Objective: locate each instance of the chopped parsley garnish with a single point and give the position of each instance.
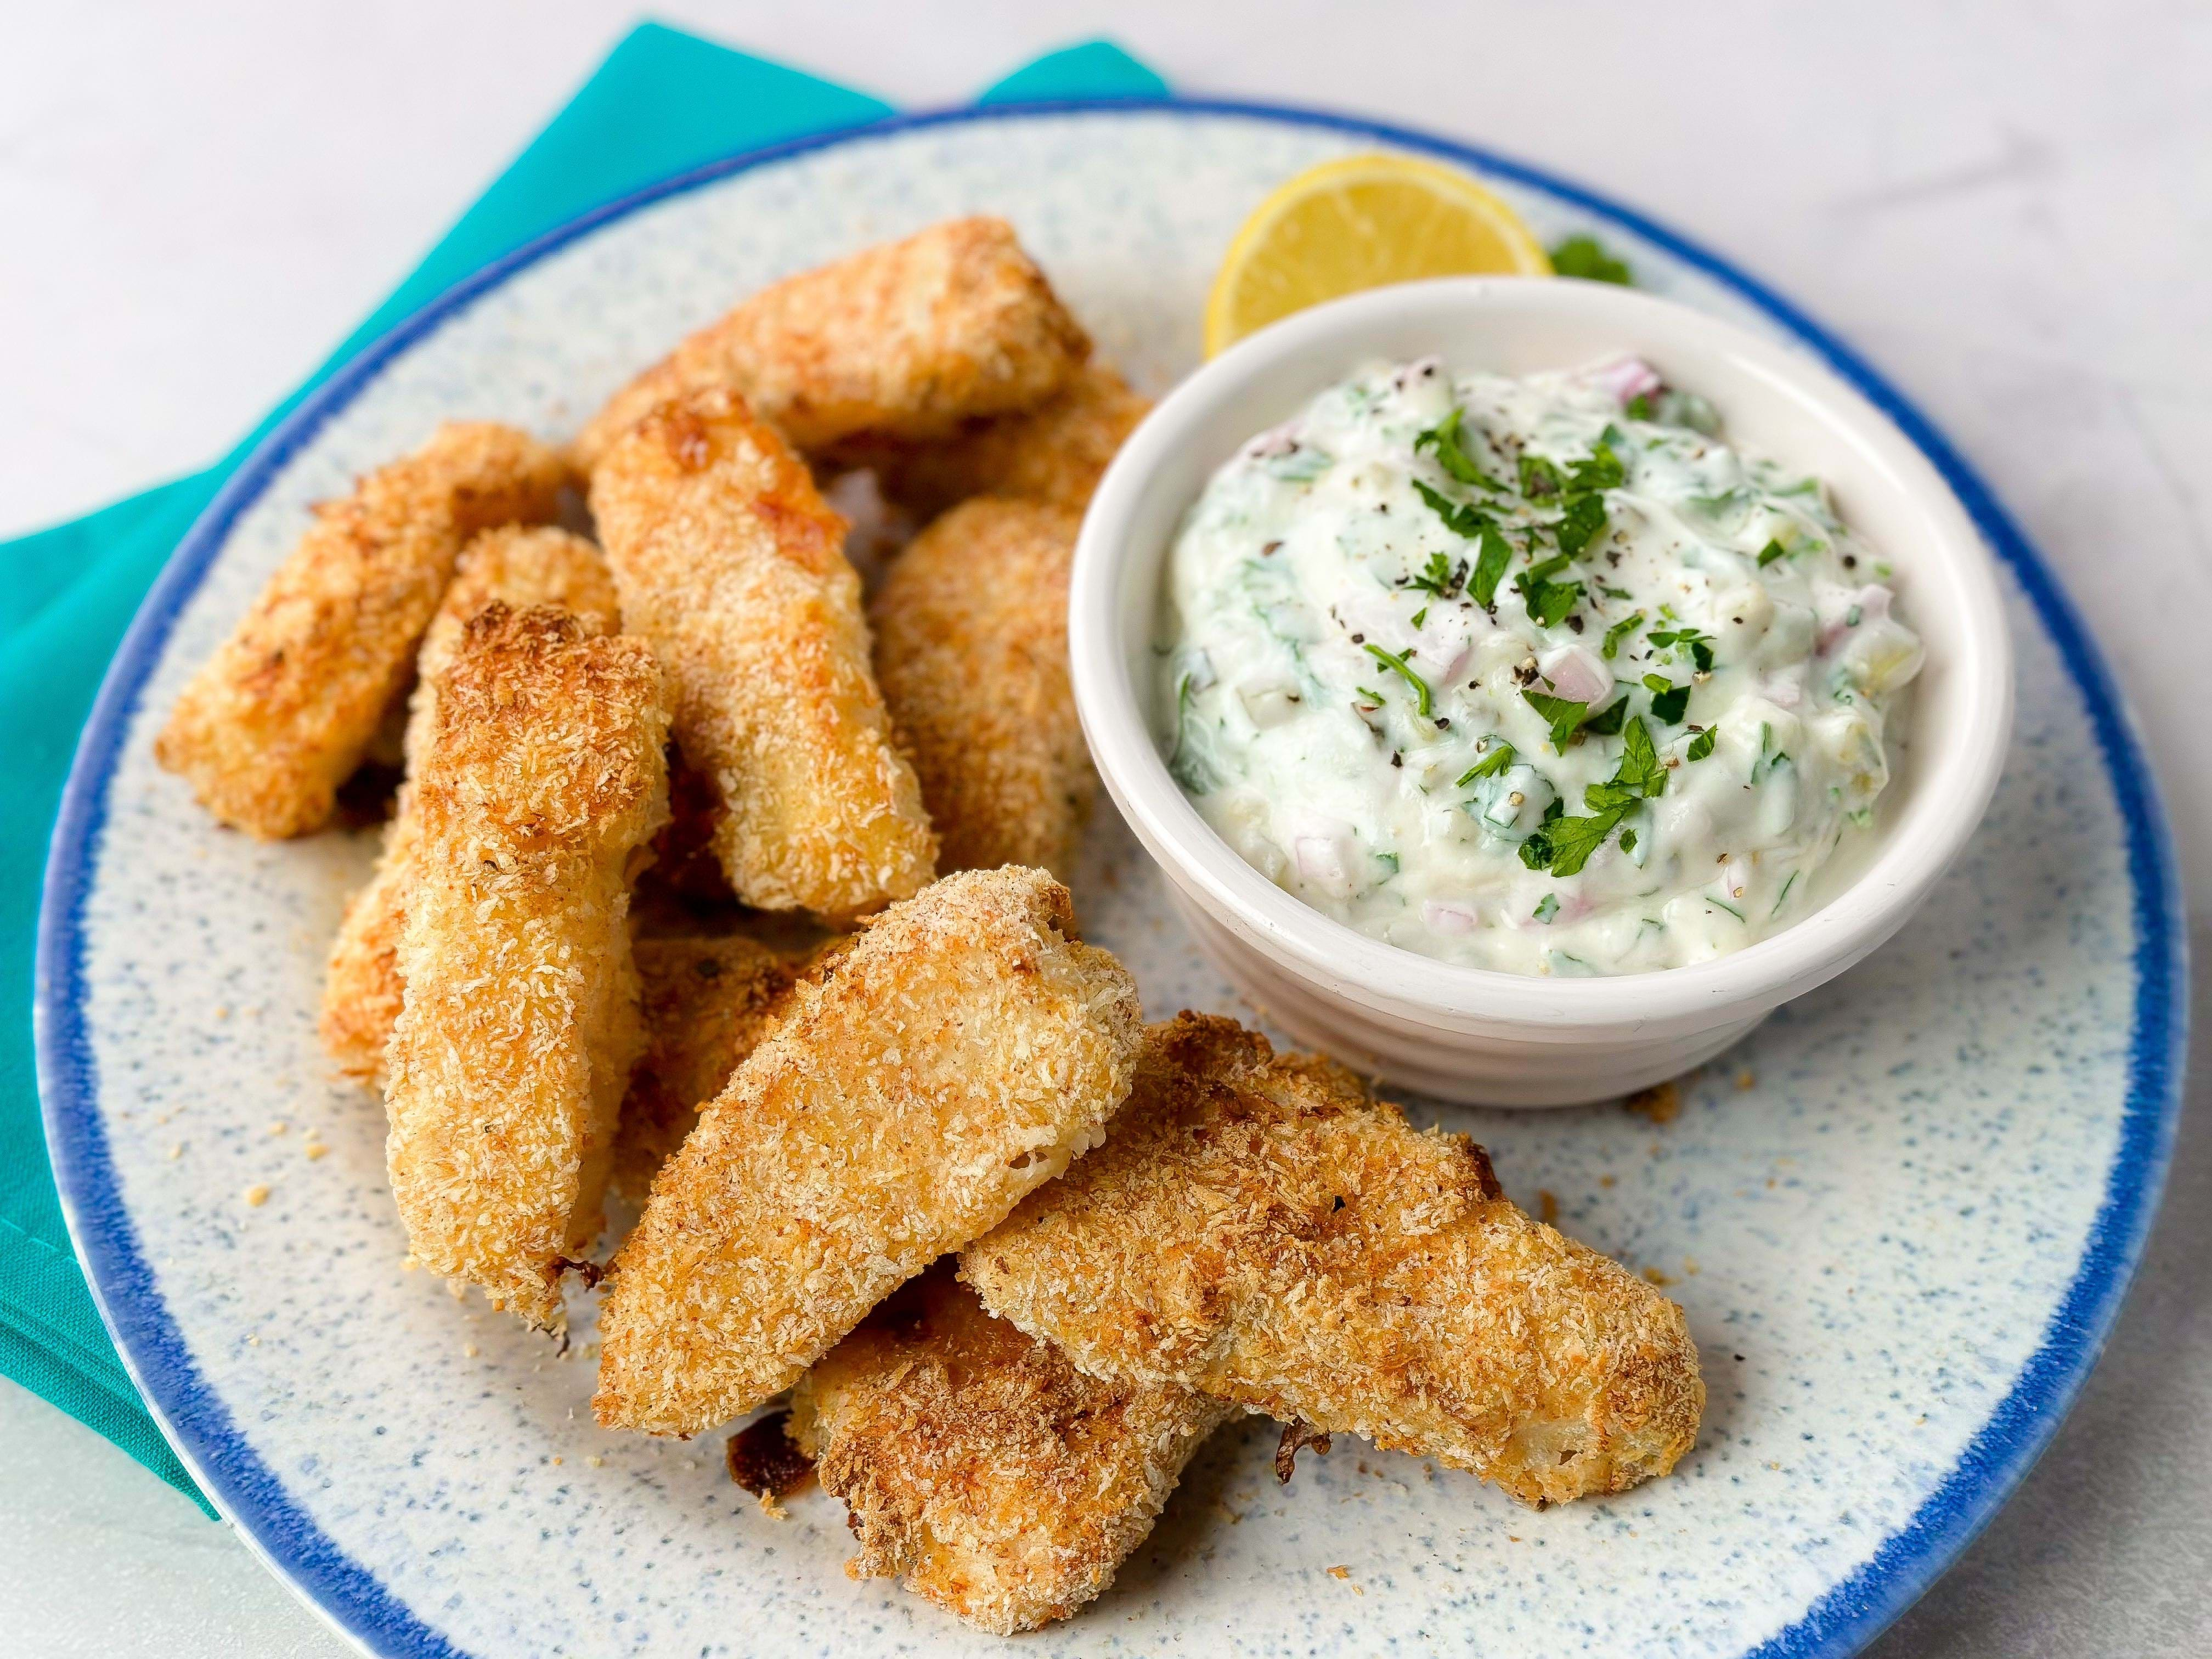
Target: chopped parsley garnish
(1459, 518)
(1375, 697)
(1443, 438)
(1424, 701)
(1582, 523)
(1420, 615)
(1607, 721)
(1669, 701)
(1771, 552)
(1565, 715)
(1628, 841)
(1619, 631)
(1699, 646)
(1539, 476)
(1601, 470)
(1615, 593)
(1547, 907)
(1490, 766)
(1638, 408)
(1441, 577)
(1490, 567)
(1564, 845)
(1548, 601)
(1702, 745)
(1582, 255)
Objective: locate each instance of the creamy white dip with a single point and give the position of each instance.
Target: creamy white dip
(1539, 675)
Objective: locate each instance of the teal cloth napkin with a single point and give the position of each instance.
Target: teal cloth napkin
(661, 103)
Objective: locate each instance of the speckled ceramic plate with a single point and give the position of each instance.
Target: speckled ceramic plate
(1900, 1217)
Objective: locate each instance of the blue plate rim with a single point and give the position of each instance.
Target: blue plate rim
(1839, 1623)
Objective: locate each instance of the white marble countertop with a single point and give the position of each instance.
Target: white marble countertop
(2008, 207)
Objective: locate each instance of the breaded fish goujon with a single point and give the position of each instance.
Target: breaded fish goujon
(519, 566)
(908, 339)
(1001, 1483)
(706, 1004)
(1257, 1228)
(286, 708)
(728, 560)
(544, 776)
(959, 1053)
(1055, 453)
(971, 651)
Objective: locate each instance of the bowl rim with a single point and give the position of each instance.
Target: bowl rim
(1343, 961)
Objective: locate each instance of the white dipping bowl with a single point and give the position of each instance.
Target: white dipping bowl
(1470, 1033)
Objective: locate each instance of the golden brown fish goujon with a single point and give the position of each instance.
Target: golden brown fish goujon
(971, 651)
(518, 567)
(706, 1004)
(283, 712)
(1255, 1227)
(544, 776)
(907, 339)
(997, 1480)
(956, 1055)
(730, 563)
(1055, 453)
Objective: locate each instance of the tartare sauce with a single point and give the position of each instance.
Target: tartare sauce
(1533, 674)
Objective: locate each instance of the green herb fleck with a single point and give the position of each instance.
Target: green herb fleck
(1607, 721)
(1565, 715)
(1581, 523)
(1640, 407)
(1669, 701)
(1601, 470)
(1547, 907)
(1539, 476)
(1548, 601)
(1619, 631)
(1490, 766)
(1424, 701)
(1443, 438)
(1440, 577)
(1459, 518)
(1699, 646)
(1490, 567)
(1771, 552)
(1582, 255)
(1783, 897)
(1702, 745)
(1420, 615)
(1628, 841)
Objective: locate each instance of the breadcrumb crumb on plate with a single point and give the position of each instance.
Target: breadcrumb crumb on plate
(955, 1056)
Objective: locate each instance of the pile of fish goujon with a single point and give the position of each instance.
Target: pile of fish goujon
(706, 881)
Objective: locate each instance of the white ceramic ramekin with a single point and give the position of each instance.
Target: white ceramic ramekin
(1468, 1033)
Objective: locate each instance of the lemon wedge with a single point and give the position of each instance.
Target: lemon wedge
(1359, 223)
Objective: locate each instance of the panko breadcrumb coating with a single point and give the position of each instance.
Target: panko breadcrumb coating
(730, 563)
(1001, 1483)
(706, 1004)
(1258, 1229)
(543, 775)
(908, 338)
(519, 566)
(956, 1055)
(1055, 453)
(971, 651)
(289, 704)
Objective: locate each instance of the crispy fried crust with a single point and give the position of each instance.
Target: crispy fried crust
(956, 1054)
(997, 1480)
(908, 338)
(1257, 1228)
(286, 708)
(971, 650)
(520, 1024)
(520, 567)
(730, 563)
(1055, 453)
(706, 1003)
